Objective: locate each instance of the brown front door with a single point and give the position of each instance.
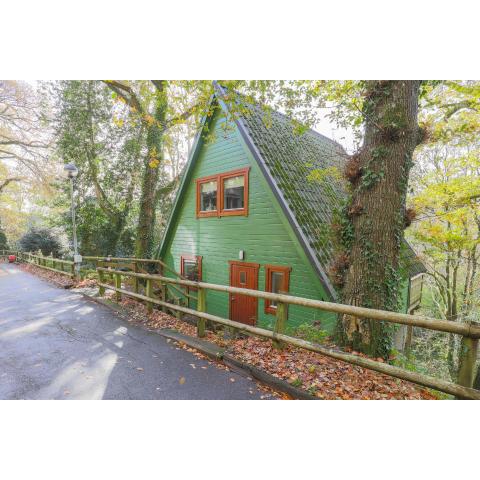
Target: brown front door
(242, 308)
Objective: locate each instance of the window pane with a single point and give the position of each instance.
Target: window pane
(208, 196)
(190, 270)
(243, 278)
(233, 189)
(277, 285)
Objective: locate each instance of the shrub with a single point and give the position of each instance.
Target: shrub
(3, 240)
(40, 239)
(311, 333)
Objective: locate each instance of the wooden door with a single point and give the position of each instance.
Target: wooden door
(242, 308)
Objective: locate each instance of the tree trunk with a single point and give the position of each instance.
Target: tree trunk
(451, 357)
(375, 215)
(153, 160)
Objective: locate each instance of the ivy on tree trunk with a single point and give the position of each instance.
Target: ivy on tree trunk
(374, 219)
(153, 158)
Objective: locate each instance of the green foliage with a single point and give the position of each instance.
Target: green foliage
(97, 234)
(41, 239)
(322, 175)
(371, 178)
(89, 274)
(297, 382)
(3, 239)
(96, 132)
(393, 280)
(413, 363)
(344, 226)
(445, 195)
(311, 333)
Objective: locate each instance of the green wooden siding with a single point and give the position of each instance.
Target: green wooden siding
(265, 234)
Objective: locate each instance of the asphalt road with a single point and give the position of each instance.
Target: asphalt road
(56, 344)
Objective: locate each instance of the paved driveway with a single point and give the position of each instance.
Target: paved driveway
(55, 344)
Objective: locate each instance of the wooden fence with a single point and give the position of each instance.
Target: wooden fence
(65, 267)
(470, 332)
(181, 287)
(146, 265)
(6, 253)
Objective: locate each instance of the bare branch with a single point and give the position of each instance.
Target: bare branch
(126, 92)
(159, 85)
(182, 117)
(8, 181)
(169, 188)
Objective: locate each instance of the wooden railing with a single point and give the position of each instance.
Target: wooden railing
(140, 265)
(65, 267)
(6, 253)
(470, 332)
(140, 262)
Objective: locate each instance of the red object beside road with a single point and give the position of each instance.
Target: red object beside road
(11, 258)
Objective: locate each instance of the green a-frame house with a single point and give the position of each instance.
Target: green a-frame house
(251, 212)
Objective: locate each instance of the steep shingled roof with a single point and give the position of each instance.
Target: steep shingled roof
(302, 168)
(308, 168)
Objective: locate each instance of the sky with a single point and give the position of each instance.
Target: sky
(328, 128)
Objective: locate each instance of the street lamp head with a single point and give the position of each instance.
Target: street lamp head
(70, 170)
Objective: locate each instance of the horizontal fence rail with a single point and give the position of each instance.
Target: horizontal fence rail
(469, 332)
(153, 261)
(121, 259)
(464, 329)
(58, 265)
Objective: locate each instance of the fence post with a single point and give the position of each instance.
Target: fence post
(178, 313)
(136, 283)
(149, 294)
(201, 307)
(118, 284)
(467, 360)
(408, 341)
(101, 279)
(163, 287)
(280, 323)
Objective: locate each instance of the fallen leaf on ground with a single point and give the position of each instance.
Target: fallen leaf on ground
(319, 375)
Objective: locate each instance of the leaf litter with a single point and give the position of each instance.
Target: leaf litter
(321, 376)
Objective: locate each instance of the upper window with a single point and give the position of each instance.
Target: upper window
(208, 196)
(223, 194)
(191, 267)
(277, 280)
(233, 192)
